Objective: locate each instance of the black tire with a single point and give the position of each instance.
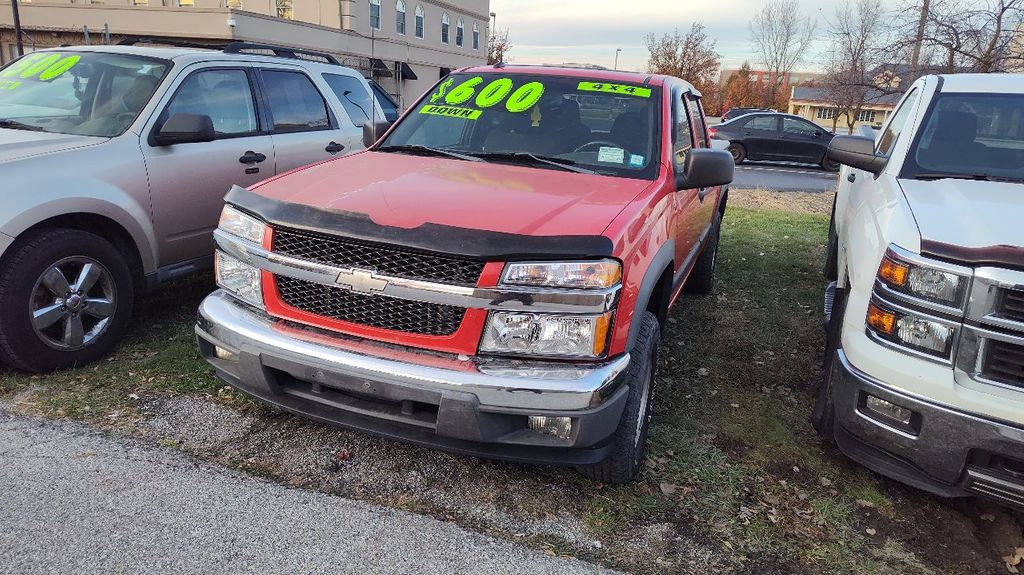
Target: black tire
(102, 310)
(702, 279)
(823, 416)
(739, 153)
(831, 268)
(629, 443)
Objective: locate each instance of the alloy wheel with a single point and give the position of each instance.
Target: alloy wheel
(72, 303)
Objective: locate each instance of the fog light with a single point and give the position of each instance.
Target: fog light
(226, 355)
(889, 410)
(559, 427)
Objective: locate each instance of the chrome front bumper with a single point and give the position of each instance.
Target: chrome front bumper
(443, 400)
(944, 451)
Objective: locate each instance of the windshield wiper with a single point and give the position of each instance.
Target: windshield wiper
(427, 150)
(526, 157)
(956, 176)
(16, 125)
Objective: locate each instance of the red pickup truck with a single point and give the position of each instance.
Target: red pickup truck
(490, 277)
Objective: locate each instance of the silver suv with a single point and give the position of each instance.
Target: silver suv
(115, 161)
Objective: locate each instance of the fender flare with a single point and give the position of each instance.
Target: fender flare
(662, 260)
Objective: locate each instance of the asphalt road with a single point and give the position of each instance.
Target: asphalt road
(73, 500)
(784, 177)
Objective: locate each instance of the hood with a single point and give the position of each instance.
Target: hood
(967, 213)
(21, 144)
(407, 191)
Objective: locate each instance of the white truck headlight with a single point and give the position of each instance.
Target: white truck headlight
(580, 275)
(919, 280)
(546, 334)
(240, 279)
(238, 223)
(909, 330)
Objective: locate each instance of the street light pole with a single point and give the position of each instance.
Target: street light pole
(17, 28)
(617, 50)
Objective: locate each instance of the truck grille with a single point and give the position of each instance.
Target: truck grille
(383, 259)
(1004, 362)
(1012, 305)
(372, 310)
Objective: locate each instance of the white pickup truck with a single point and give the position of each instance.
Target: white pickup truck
(923, 378)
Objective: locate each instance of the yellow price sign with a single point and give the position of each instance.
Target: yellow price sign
(451, 112)
(621, 89)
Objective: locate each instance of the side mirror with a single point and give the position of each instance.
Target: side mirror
(856, 152)
(705, 168)
(372, 131)
(185, 129)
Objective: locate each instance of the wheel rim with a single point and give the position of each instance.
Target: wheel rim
(735, 153)
(72, 303)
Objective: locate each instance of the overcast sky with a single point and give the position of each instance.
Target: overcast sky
(589, 31)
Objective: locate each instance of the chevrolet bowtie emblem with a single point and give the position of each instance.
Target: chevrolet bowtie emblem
(362, 281)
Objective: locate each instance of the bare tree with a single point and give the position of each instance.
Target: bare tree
(976, 36)
(498, 46)
(691, 57)
(858, 47)
(781, 38)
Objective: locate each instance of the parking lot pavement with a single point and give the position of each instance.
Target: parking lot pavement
(78, 501)
(784, 177)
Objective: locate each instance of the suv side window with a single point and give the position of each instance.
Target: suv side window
(223, 94)
(295, 103)
(767, 123)
(353, 96)
(684, 136)
(697, 115)
(799, 127)
(896, 124)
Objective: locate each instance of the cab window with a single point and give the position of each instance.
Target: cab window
(222, 94)
(295, 103)
(767, 123)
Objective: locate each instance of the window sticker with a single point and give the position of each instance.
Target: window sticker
(636, 161)
(451, 112)
(521, 99)
(622, 89)
(43, 66)
(611, 155)
(9, 84)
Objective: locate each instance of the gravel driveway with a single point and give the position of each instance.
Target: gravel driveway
(79, 501)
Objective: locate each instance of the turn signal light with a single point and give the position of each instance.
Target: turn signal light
(894, 273)
(881, 320)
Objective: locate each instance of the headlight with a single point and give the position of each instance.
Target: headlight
(915, 279)
(240, 224)
(909, 330)
(581, 275)
(242, 280)
(546, 334)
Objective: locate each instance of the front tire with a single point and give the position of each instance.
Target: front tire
(629, 443)
(739, 153)
(65, 300)
(823, 417)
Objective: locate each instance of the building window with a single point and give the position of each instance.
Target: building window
(186, 2)
(446, 24)
(375, 14)
(140, 2)
(400, 17)
(866, 116)
(419, 21)
(232, 3)
(826, 113)
(284, 9)
(460, 32)
(476, 36)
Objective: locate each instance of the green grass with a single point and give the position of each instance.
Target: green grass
(732, 457)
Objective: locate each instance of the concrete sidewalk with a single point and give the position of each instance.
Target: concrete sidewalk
(73, 500)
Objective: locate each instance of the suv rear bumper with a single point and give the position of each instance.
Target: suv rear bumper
(473, 406)
(944, 451)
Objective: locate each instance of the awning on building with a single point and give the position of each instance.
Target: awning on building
(445, 72)
(406, 71)
(378, 67)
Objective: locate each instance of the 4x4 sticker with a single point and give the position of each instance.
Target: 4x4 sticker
(44, 66)
(521, 99)
(623, 89)
(451, 111)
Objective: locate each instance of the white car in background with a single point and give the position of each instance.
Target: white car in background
(924, 369)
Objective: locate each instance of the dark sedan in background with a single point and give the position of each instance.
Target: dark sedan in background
(775, 137)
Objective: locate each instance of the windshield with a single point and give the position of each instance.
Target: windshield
(84, 93)
(976, 136)
(545, 122)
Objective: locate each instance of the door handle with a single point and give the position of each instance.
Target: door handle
(851, 178)
(334, 148)
(701, 194)
(251, 157)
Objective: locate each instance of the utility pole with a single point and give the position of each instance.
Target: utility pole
(617, 50)
(919, 39)
(17, 29)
